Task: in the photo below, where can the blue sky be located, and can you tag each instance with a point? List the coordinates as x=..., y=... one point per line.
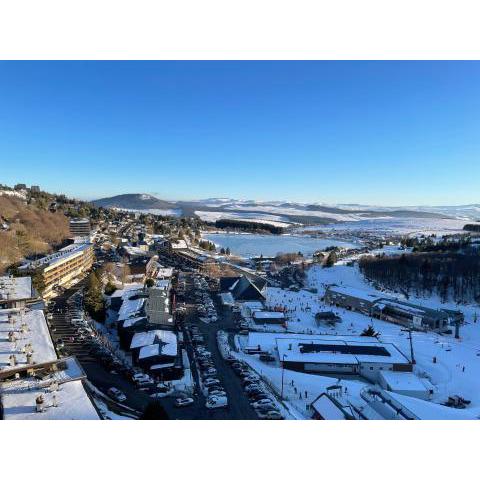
x=385, y=133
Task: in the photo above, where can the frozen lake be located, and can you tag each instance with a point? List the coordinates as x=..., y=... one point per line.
x=252, y=245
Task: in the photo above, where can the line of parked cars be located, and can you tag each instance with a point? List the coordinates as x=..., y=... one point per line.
x=205, y=306
x=212, y=387
x=263, y=402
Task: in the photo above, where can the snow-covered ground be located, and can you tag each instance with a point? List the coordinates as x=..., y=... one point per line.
x=400, y=226
x=455, y=372
x=276, y=220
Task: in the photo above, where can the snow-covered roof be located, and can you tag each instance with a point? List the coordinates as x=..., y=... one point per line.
x=132, y=321
x=164, y=272
x=403, y=381
x=18, y=396
x=15, y=288
x=73, y=403
x=253, y=305
x=160, y=366
x=120, y=292
x=328, y=409
x=260, y=315
x=162, y=342
x=29, y=327
x=140, y=339
x=162, y=284
x=132, y=303
x=149, y=351
x=227, y=299
x=339, y=351
x=135, y=251
x=353, y=292
x=57, y=257
x=179, y=245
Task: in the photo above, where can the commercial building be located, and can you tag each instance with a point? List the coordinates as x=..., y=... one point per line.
x=390, y=309
x=268, y=318
x=157, y=351
x=157, y=306
x=341, y=356
x=80, y=227
x=338, y=355
x=62, y=268
x=350, y=298
x=410, y=315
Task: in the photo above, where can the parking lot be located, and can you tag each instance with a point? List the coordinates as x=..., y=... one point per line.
x=220, y=386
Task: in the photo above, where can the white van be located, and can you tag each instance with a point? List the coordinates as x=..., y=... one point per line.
x=216, y=402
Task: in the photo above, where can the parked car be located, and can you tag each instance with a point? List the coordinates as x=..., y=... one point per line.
x=116, y=394
x=211, y=381
x=183, y=402
x=266, y=408
x=216, y=402
x=249, y=381
x=263, y=401
x=217, y=393
x=140, y=377
x=252, y=386
x=255, y=397
x=270, y=415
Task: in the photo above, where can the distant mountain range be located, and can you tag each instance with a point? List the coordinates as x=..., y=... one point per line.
x=279, y=212
x=134, y=201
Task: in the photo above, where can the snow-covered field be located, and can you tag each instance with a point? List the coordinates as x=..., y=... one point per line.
x=298, y=211
x=275, y=220
x=457, y=367
x=173, y=212
x=401, y=226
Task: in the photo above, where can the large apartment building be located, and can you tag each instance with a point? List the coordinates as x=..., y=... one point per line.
x=80, y=227
x=62, y=268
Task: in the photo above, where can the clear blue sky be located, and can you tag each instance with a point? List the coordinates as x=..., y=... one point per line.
x=386, y=133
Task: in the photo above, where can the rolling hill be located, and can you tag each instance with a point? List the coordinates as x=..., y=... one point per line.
x=135, y=201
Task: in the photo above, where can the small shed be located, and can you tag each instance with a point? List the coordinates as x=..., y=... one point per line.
x=405, y=383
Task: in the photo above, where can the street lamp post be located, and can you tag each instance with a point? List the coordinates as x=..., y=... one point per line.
x=283, y=373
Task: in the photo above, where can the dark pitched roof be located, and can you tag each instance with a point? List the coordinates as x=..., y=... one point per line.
x=245, y=289
x=227, y=282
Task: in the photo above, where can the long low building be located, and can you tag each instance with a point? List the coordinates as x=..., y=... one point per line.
x=268, y=317
x=362, y=356
x=62, y=268
x=390, y=309
x=330, y=354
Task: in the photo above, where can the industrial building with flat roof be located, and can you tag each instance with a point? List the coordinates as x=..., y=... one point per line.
x=330, y=354
x=362, y=356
